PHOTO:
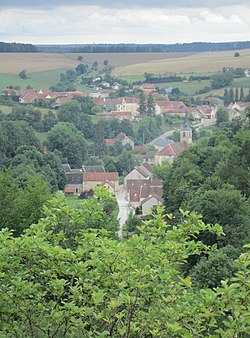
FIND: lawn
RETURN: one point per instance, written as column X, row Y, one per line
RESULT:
column 189, row 88
column 38, row 80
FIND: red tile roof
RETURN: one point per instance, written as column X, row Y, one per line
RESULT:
column 173, row 149
column 126, row 99
column 69, row 190
column 100, row 176
column 110, row 141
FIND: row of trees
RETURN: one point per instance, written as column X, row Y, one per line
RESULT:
column 231, row 96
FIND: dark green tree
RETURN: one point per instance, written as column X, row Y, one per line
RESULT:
column 69, row 141
column 222, row 116
column 231, row 95
column 236, row 95
column 142, row 105
column 150, row 105
column 23, row 74
column 21, row 206
column 241, row 94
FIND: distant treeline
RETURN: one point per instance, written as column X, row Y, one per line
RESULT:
column 13, row 47
column 145, row 48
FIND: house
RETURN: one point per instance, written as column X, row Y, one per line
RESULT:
column 93, row 169
column 59, row 101
column 150, row 203
column 123, row 115
column 144, row 194
column 126, row 104
column 237, row 109
column 28, row 96
column 161, row 142
column 142, row 172
column 207, row 111
column 74, row 183
column 171, row 107
column 146, row 88
column 170, row 152
column 121, row 137
column 149, row 157
column 107, row 179
column 212, row 101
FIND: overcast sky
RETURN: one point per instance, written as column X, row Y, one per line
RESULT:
column 137, row 21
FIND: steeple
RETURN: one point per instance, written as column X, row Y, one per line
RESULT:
column 186, row 131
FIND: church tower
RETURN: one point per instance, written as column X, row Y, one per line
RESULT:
column 186, row 132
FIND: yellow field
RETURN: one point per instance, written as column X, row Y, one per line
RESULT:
column 125, row 59
column 13, row 63
column 196, row 62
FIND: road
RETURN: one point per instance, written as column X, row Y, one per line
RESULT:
column 204, row 123
column 123, row 209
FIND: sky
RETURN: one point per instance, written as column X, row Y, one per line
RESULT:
column 129, row 21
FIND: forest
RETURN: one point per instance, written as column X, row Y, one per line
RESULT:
column 14, row 47
column 145, row 48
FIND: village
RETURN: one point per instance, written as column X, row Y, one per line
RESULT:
column 140, row 191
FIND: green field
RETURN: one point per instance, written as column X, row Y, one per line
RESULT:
column 38, row 80
column 188, row 88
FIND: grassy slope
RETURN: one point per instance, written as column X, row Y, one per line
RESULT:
column 38, row 80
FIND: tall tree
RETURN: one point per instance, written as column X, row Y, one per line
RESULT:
column 142, row 104
column 150, row 105
column 241, row 94
column 231, row 95
column 236, row 95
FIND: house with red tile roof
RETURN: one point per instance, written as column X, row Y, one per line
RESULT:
column 121, row 137
column 171, row 107
column 59, row 101
column 170, row 152
column 237, row 109
column 142, row 172
column 108, row 179
column 144, row 194
column 146, row 88
column 126, row 104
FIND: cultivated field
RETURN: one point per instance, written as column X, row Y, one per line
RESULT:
column 196, row 62
column 125, row 59
column 13, row 63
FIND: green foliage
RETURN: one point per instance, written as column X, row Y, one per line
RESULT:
column 108, row 288
column 69, row 141
column 212, row 177
column 21, row 205
column 222, row 116
column 222, row 79
column 23, row 74
column 14, row 134
column 218, row 266
column 160, row 171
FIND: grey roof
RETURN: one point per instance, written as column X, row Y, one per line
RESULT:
column 162, row 141
column 93, row 168
column 66, row 167
column 186, row 125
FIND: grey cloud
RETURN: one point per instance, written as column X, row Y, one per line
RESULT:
column 124, row 3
